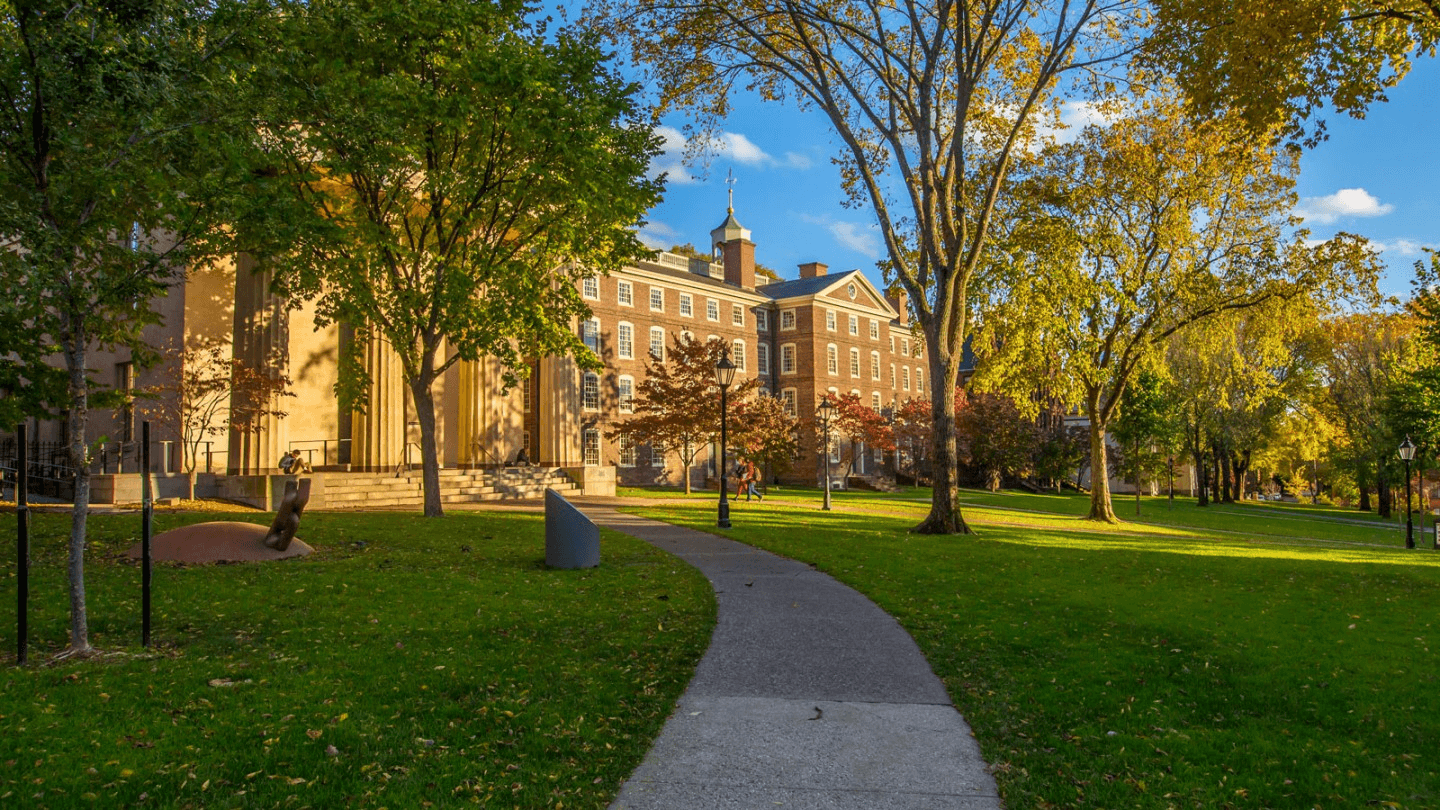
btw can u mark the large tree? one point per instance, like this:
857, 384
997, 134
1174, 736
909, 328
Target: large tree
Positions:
1365, 363
111, 168
1142, 228
1281, 64
932, 103
762, 430
453, 170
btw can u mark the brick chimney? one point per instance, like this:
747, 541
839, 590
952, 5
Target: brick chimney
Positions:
737, 252
900, 301
812, 270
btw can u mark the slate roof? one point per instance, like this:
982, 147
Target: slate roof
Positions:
800, 286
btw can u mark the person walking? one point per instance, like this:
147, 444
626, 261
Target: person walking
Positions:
752, 474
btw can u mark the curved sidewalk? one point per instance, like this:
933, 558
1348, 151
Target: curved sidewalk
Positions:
809, 697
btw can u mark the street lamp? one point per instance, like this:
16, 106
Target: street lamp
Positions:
724, 376
825, 410
1407, 452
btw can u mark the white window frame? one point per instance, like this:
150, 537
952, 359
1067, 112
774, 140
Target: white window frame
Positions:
787, 399
904, 347
625, 293
905, 377
687, 305
657, 299
875, 401
590, 288
590, 447
762, 320
874, 329
893, 386
854, 362
762, 358
737, 354
737, 315
590, 386
830, 320
590, 335
787, 320
919, 379
875, 366
625, 340
625, 444
656, 331
525, 392
787, 358
892, 344
854, 324
832, 360
625, 386
712, 310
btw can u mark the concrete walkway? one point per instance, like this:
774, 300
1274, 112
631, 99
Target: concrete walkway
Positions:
809, 697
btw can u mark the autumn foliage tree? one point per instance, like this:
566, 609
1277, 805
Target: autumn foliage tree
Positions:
861, 424
202, 384
761, 429
912, 424
995, 436
677, 406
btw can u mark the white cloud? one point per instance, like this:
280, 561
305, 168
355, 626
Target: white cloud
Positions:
1347, 202
657, 235
733, 146
859, 237
1405, 247
671, 161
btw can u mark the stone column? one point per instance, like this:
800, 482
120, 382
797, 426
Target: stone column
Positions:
558, 390
378, 434
261, 338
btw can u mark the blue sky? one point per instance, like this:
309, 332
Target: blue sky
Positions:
1378, 177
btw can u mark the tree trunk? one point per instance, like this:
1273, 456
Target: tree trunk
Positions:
1240, 462
1222, 473
944, 517
1382, 489
1100, 507
424, 399
1364, 487
79, 417
1202, 481
686, 459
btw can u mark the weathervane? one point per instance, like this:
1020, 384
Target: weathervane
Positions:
730, 181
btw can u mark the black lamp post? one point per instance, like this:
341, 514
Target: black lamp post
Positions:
1407, 452
825, 410
724, 376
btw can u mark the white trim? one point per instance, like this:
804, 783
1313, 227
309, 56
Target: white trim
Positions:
687, 302
788, 355
625, 293
737, 353
625, 404
832, 359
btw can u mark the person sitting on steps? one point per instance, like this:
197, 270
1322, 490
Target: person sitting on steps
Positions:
292, 464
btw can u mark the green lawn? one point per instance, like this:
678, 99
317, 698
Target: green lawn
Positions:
408, 662
1200, 660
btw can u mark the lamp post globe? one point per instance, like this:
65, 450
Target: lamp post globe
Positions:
825, 410
724, 376
1407, 452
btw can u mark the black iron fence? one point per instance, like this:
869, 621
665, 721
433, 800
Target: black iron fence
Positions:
48, 465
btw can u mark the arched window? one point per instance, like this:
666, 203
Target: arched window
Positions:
625, 341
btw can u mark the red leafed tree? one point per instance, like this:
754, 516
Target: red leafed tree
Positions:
861, 423
677, 406
912, 426
994, 436
765, 433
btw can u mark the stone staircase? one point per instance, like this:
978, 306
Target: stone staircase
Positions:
387, 490
874, 483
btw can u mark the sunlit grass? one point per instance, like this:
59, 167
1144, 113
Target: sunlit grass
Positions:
407, 662
1151, 665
